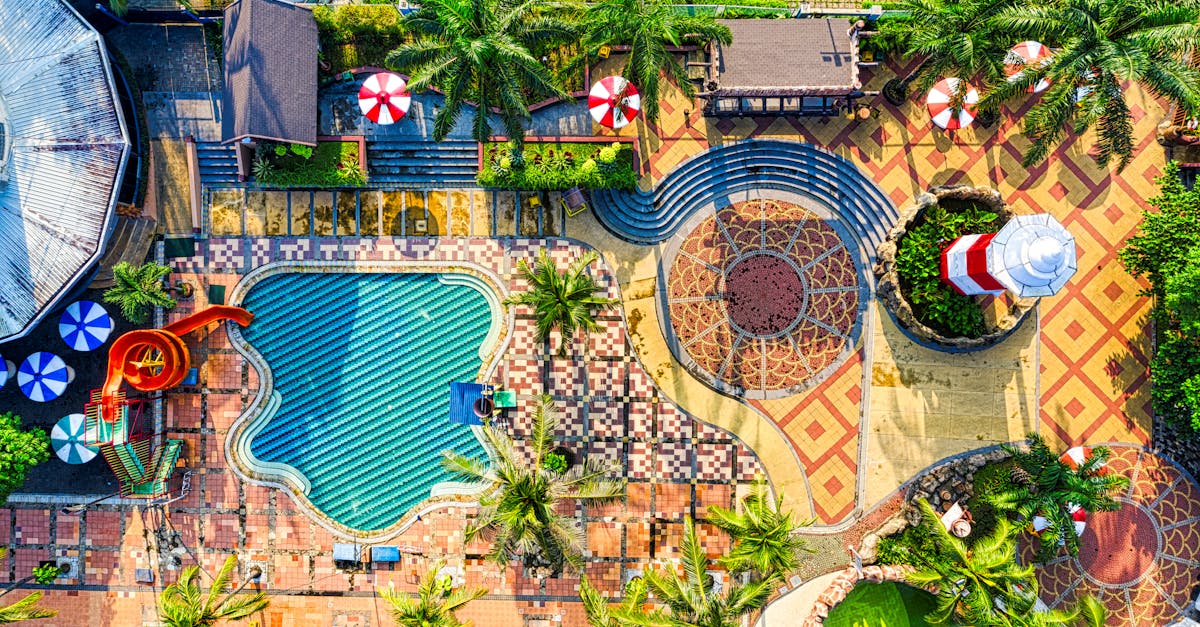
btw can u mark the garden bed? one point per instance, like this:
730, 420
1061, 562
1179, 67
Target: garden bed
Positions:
354, 35
558, 166
330, 164
909, 272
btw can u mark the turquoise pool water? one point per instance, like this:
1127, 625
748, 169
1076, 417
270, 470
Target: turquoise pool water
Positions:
361, 363
878, 604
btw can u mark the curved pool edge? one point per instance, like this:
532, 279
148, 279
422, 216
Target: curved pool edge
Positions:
248, 423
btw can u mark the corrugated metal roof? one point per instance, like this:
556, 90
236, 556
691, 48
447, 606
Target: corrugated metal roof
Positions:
69, 148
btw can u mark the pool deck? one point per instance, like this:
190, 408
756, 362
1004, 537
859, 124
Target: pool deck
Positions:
1076, 372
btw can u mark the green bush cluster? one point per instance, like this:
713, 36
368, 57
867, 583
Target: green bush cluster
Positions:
989, 480
330, 164
20, 450
1166, 252
918, 262
914, 547
355, 35
554, 166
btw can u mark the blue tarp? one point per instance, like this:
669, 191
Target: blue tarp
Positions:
462, 401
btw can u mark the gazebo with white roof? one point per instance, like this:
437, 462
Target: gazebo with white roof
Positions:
63, 149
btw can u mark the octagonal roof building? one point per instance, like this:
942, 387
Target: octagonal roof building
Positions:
63, 149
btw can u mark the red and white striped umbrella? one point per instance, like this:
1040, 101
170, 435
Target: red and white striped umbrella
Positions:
384, 98
1024, 54
940, 109
614, 102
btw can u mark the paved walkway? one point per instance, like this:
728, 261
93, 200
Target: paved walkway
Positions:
1082, 380
1140, 560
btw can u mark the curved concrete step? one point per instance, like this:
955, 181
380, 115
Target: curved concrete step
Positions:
652, 217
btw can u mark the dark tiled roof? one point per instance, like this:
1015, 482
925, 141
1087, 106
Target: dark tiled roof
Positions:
787, 57
270, 72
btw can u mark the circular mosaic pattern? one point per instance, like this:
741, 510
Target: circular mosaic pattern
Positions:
762, 297
747, 282
1118, 547
1139, 561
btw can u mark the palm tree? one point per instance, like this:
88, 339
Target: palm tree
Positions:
25, 609
598, 612
561, 300
953, 38
434, 605
1044, 486
649, 27
692, 599
517, 509
478, 51
969, 580
137, 289
1103, 43
181, 603
764, 536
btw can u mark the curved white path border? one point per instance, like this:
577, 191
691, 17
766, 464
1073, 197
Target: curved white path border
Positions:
266, 401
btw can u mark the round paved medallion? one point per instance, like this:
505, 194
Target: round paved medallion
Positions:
764, 294
1117, 548
763, 297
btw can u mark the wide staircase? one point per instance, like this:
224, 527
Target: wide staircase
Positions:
218, 163
422, 163
651, 217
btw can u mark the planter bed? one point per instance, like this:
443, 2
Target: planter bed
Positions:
909, 283
331, 164
558, 166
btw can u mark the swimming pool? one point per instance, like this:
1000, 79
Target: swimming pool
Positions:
359, 364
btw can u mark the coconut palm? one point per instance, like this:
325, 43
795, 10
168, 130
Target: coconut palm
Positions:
434, 605
517, 506
764, 536
598, 612
969, 580
953, 39
181, 603
137, 289
478, 51
561, 300
25, 609
650, 28
1103, 44
691, 599
1043, 485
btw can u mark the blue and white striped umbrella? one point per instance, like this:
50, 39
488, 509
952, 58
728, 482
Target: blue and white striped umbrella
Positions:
85, 325
43, 377
66, 438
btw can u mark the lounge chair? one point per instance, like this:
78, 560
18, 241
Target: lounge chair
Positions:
573, 201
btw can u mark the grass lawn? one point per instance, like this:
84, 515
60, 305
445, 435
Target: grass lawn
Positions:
879, 604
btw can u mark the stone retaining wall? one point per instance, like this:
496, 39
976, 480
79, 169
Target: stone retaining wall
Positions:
888, 281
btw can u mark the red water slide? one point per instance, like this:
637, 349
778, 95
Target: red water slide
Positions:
157, 359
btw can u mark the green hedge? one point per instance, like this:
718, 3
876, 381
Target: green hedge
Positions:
918, 262
330, 164
554, 166
354, 35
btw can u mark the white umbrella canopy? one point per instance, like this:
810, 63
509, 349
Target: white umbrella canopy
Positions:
1033, 256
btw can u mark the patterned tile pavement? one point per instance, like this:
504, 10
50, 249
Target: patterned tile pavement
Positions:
676, 467
1093, 337
763, 298
1092, 387
1140, 561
